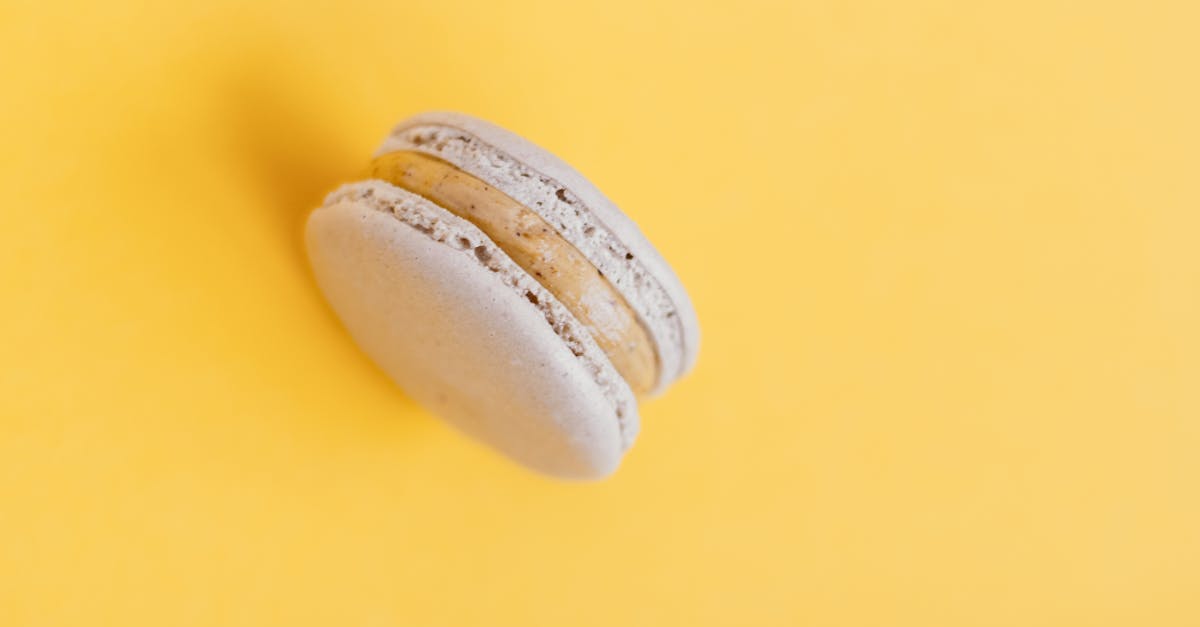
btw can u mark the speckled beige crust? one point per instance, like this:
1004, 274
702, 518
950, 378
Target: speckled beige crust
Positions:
581, 214
539, 250
467, 333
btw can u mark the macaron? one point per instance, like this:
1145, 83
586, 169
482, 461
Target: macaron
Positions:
503, 292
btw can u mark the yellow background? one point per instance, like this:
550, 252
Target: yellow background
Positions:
944, 253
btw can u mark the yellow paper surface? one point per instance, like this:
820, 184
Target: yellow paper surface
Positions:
944, 254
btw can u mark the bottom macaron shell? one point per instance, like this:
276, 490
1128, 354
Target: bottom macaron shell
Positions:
462, 343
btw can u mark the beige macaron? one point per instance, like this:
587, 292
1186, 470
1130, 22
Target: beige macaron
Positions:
503, 292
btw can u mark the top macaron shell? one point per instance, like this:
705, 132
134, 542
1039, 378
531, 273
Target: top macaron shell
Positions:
583, 215
467, 333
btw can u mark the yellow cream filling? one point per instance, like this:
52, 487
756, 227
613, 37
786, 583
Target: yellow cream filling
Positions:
535, 246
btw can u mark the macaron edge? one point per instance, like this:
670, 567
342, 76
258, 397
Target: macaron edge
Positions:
670, 317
